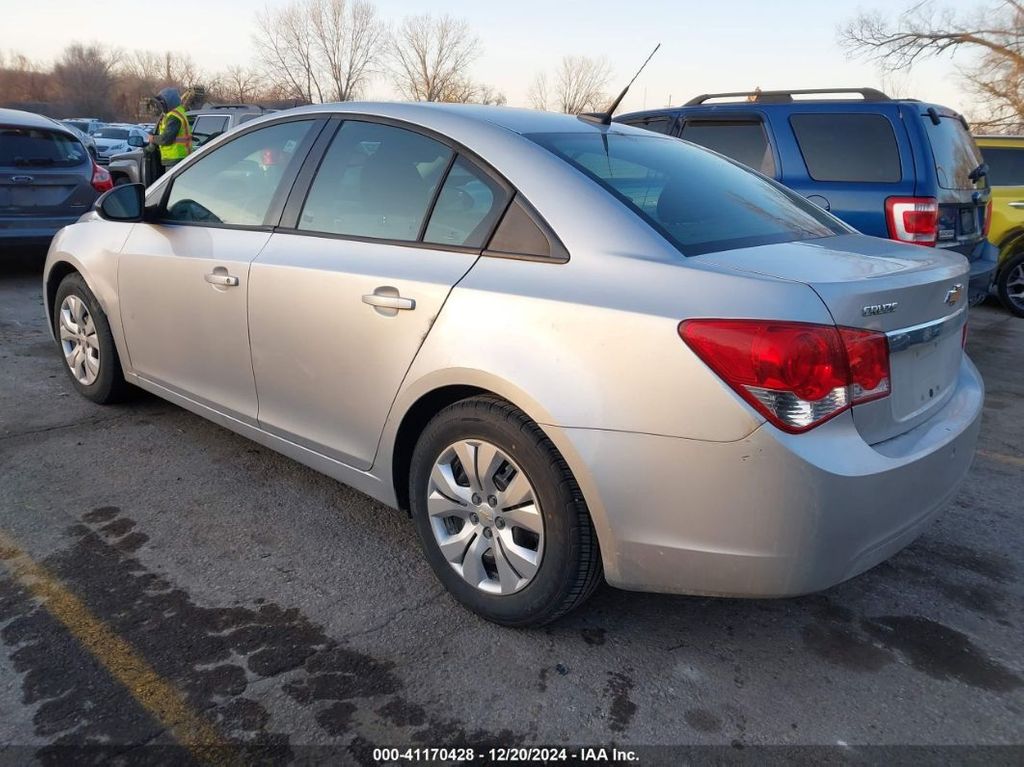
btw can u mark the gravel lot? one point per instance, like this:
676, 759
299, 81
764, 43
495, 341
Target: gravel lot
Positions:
290, 610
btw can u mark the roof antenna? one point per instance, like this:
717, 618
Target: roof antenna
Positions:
605, 118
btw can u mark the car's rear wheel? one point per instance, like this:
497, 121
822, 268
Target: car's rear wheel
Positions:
1010, 285
500, 517
83, 334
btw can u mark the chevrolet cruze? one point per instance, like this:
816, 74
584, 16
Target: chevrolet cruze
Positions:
572, 351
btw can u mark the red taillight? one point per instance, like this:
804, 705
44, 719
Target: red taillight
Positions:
101, 180
797, 374
913, 219
988, 219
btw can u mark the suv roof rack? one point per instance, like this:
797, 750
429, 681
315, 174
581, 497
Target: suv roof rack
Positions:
784, 97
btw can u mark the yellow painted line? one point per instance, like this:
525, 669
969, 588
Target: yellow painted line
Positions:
159, 697
1010, 460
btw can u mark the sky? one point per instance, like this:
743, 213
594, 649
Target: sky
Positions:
728, 45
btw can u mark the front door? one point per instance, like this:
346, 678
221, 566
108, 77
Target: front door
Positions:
339, 306
184, 280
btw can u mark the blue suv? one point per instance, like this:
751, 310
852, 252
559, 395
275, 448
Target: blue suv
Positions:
896, 168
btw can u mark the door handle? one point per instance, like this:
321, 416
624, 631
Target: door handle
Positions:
384, 301
1017, 204
226, 280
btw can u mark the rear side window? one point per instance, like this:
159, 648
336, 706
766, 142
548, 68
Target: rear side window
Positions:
954, 151
466, 208
1005, 166
698, 201
39, 148
848, 147
743, 140
375, 181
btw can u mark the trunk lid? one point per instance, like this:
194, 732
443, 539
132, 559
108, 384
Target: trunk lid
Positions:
908, 292
43, 172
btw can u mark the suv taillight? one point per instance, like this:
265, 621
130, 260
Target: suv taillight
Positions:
101, 179
796, 374
913, 219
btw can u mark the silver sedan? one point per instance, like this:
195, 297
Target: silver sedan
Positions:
573, 352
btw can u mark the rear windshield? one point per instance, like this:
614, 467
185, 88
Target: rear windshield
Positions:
849, 148
955, 152
700, 202
1005, 166
39, 148
116, 133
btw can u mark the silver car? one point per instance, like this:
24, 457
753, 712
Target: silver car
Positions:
573, 352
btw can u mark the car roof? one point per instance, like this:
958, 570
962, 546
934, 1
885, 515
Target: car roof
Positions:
441, 117
22, 119
801, 105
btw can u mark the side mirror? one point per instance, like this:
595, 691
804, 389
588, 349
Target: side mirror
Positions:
136, 140
125, 203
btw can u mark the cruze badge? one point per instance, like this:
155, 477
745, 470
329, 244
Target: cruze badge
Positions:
954, 294
875, 309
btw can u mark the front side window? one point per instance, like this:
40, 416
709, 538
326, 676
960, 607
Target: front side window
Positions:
375, 181
208, 126
235, 183
848, 147
700, 202
1005, 165
743, 140
466, 209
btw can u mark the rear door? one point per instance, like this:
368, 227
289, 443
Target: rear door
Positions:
184, 278
43, 174
1006, 176
341, 300
849, 160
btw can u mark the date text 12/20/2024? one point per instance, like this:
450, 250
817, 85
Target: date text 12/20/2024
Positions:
540, 755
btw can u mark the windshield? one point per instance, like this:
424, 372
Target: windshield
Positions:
113, 133
955, 152
698, 200
35, 147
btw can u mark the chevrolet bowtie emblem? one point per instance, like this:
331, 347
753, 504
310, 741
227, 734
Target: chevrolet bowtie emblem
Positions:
954, 294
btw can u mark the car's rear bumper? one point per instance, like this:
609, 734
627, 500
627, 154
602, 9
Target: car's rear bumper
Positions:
33, 228
984, 263
773, 514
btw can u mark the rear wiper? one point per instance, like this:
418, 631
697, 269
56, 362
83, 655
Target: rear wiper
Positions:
981, 170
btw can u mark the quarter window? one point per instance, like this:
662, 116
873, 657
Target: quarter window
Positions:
466, 208
235, 183
848, 147
743, 140
377, 181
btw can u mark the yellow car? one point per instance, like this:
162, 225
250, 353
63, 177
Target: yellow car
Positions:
1004, 156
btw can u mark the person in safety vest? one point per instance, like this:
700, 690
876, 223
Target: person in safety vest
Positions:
173, 135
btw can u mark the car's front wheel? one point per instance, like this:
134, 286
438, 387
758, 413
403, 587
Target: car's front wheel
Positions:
500, 517
83, 333
1010, 285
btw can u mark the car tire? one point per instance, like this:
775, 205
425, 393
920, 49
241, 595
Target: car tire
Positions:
1011, 277
569, 567
75, 308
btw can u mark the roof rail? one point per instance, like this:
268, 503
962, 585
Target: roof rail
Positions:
784, 97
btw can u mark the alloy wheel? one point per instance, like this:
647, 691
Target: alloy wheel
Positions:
485, 517
78, 340
1015, 285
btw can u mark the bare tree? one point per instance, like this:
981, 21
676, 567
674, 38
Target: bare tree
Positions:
430, 57
578, 86
85, 75
240, 85
995, 35
320, 50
